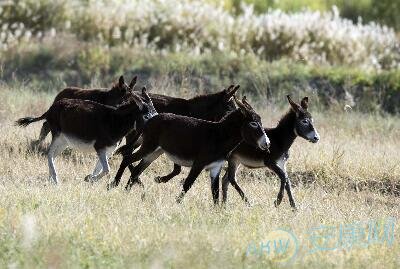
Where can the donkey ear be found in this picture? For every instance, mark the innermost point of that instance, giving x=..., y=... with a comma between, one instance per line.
x=304, y=103
x=230, y=92
x=146, y=95
x=121, y=81
x=138, y=101
x=133, y=83
x=240, y=105
x=244, y=101
x=294, y=106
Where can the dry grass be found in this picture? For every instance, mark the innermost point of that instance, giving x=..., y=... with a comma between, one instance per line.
x=77, y=225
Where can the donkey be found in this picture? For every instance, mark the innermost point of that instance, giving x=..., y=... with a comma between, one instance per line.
x=297, y=122
x=211, y=107
x=118, y=93
x=87, y=125
x=195, y=143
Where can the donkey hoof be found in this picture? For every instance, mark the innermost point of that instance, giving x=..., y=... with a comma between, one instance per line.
x=179, y=198
x=88, y=178
x=276, y=203
x=111, y=185
x=128, y=187
x=158, y=179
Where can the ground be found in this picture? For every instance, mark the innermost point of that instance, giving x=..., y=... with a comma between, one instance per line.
x=348, y=180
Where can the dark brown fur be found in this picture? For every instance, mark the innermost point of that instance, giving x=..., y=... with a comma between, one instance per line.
x=84, y=123
x=116, y=95
x=211, y=107
x=199, y=143
x=281, y=137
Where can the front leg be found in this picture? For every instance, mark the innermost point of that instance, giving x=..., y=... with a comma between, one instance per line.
x=193, y=174
x=285, y=184
x=230, y=177
x=143, y=151
x=288, y=188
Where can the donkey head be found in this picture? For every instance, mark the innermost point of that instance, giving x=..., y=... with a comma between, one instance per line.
x=147, y=110
x=304, y=122
x=252, y=130
x=119, y=92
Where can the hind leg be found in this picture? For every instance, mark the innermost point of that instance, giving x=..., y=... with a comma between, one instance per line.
x=230, y=177
x=193, y=174
x=43, y=132
x=214, y=175
x=57, y=145
x=105, y=167
x=143, y=164
x=96, y=171
x=163, y=179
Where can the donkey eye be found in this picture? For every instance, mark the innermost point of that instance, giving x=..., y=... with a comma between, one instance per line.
x=305, y=121
x=253, y=124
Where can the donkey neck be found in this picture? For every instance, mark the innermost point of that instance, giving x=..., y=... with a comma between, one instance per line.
x=123, y=120
x=285, y=131
x=230, y=130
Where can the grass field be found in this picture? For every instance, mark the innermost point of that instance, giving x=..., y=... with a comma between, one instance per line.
x=352, y=175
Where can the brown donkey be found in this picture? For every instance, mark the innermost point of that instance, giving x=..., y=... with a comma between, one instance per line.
x=211, y=107
x=116, y=95
x=195, y=143
x=87, y=125
x=297, y=122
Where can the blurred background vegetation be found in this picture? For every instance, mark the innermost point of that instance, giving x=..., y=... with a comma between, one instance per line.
x=343, y=52
x=381, y=11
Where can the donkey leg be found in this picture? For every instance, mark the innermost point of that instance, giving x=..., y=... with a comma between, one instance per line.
x=225, y=182
x=230, y=173
x=240, y=191
x=289, y=193
x=282, y=176
x=136, y=156
x=43, y=132
x=193, y=174
x=214, y=175
x=56, y=147
x=96, y=171
x=163, y=179
x=102, y=155
x=143, y=164
x=132, y=141
x=230, y=177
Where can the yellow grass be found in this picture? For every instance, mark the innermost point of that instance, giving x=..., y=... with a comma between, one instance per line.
x=77, y=224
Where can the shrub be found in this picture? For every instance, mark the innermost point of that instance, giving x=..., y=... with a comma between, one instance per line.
x=199, y=27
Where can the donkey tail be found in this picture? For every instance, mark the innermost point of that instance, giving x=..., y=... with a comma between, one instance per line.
x=23, y=122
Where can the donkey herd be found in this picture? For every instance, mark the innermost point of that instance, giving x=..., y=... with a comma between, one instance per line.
x=201, y=133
